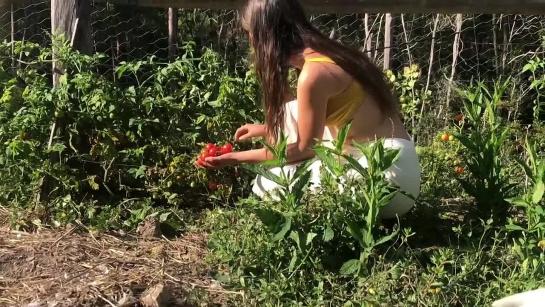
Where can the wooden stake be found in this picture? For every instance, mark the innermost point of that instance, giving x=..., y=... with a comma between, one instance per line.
x=368, y=36
x=12, y=36
x=455, y=53
x=387, y=41
x=172, y=33
x=430, y=65
x=406, y=36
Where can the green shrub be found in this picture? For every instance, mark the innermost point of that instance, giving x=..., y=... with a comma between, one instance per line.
x=484, y=140
x=132, y=135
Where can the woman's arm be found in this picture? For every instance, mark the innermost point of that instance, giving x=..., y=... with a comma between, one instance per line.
x=240, y=157
x=316, y=85
x=250, y=131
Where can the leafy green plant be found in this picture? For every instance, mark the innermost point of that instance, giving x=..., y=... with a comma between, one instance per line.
x=536, y=67
x=410, y=91
x=307, y=232
x=370, y=194
x=533, y=205
x=106, y=139
x=483, y=140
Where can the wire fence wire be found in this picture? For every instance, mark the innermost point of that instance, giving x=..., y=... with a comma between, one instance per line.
x=448, y=49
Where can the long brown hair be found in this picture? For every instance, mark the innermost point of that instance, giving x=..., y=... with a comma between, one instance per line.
x=278, y=29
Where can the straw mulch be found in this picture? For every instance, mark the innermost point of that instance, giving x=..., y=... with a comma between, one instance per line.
x=75, y=267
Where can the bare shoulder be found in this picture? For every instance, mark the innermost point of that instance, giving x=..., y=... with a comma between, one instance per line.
x=320, y=77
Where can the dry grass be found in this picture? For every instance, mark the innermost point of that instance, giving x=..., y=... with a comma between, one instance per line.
x=75, y=267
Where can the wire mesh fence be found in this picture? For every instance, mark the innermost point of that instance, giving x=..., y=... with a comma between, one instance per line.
x=447, y=49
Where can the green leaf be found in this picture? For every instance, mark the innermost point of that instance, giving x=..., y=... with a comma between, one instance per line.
x=355, y=164
x=296, y=237
x=265, y=173
x=302, y=168
x=387, y=238
x=341, y=137
x=284, y=228
x=518, y=202
x=293, y=261
x=350, y=267
x=513, y=227
x=58, y=147
x=92, y=183
x=535, y=83
x=528, y=67
x=527, y=169
x=328, y=160
x=539, y=190
x=355, y=230
x=163, y=217
x=310, y=238
x=328, y=234
x=269, y=218
x=300, y=185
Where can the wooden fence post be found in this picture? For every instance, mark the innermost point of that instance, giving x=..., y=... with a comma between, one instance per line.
x=71, y=19
x=12, y=34
x=172, y=33
x=368, y=36
x=387, y=41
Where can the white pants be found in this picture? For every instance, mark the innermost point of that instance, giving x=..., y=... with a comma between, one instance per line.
x=404, y=173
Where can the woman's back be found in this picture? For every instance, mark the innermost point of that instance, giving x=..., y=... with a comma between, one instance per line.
x=349, y=102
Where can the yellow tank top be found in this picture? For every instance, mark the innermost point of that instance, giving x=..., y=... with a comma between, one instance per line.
x=341, y=108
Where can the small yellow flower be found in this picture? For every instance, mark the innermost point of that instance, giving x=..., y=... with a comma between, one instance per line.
x=541, y=245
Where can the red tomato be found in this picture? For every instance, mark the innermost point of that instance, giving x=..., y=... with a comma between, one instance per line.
x=459, y=117
x=459, y=170
x=212, y=186
x=445, y=137
x=209, y=146
x=227, y=148
x=212, y=152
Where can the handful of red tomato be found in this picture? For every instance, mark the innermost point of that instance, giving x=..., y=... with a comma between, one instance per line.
x=213, y=150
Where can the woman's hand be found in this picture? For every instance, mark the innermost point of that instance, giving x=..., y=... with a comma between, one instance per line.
x=228, y=159
x=250, y=131
x=235, y=158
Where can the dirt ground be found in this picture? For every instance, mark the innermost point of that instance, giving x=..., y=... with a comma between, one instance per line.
x=75, y=267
